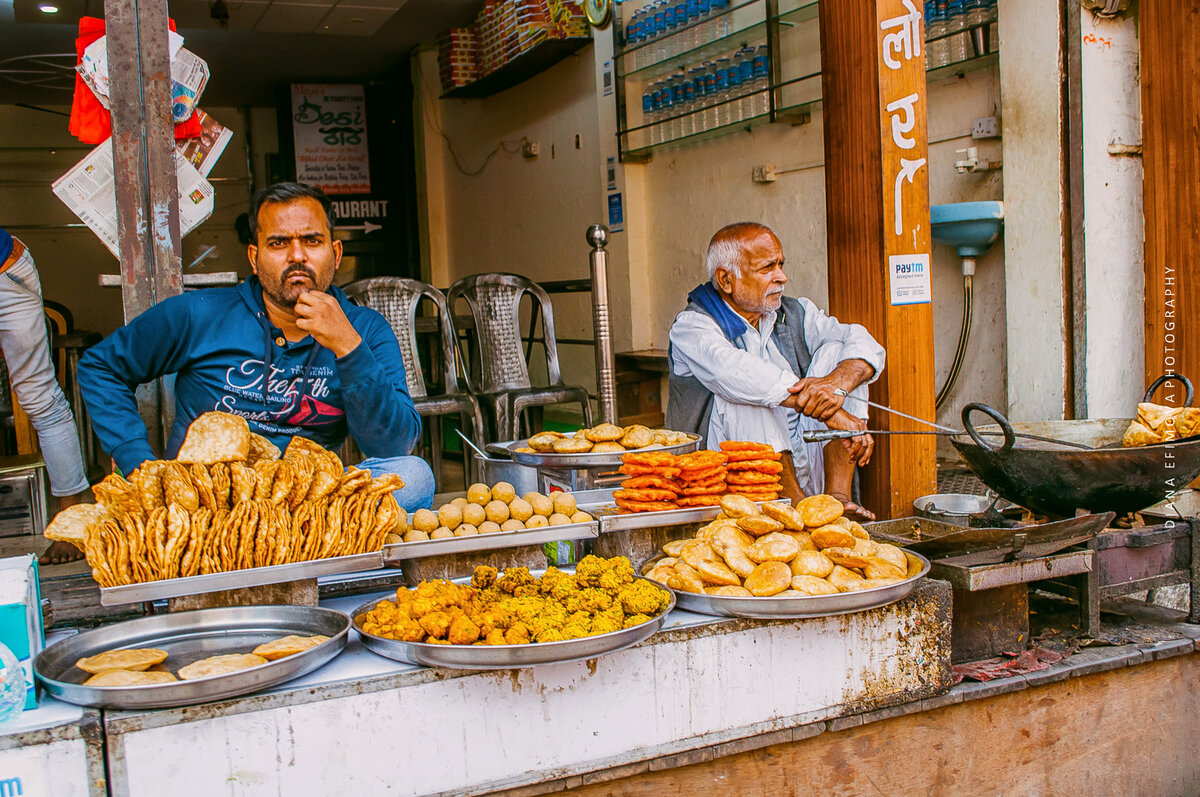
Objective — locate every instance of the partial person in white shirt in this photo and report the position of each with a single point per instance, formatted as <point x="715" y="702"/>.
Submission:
<point x="748" y="363"/>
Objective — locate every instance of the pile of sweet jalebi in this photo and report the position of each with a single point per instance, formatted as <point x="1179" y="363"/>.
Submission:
<point x="660" y="481"/>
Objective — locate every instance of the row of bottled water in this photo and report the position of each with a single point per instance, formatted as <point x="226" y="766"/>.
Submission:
<point x="656" y="24"/>
<point x="727" y="89"/>
<point x="948" y="16"/>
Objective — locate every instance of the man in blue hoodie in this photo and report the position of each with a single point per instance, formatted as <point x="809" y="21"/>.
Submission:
<point x="285" y="349"/>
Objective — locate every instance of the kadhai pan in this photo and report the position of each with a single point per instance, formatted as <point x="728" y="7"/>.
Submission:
<point x="1055" y="479"/>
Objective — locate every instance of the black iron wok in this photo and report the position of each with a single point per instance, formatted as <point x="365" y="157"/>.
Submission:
<point x="1056" y="480"/>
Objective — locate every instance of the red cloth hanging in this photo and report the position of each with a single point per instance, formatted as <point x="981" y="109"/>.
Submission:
<point x="90" y="121"/>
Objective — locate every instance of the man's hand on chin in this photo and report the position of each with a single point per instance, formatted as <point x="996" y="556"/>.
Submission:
<point x="320" y="315"/>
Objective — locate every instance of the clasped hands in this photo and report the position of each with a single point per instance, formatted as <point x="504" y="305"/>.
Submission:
<point x="815" y="397"/>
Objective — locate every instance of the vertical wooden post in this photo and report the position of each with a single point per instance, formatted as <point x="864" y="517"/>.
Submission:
<point x="1171" y="190"/>
<point x="877" y="217"/>
<point x="144" y="168"/>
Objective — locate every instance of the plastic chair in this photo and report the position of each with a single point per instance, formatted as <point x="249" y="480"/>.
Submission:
<point x="396" y="299"/>
<point x="495" y="302"/>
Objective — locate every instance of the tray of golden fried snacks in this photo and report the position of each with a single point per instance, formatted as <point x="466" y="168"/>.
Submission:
<point x="231" y="511"/>
<point x="185" y="658"/>
<point x="599" y="446"/>
<point x="486" y="518"/>
<point x="778" y="561"/>
<point x="515" y="618"/>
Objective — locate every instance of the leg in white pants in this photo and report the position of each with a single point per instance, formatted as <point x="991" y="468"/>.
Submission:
<point x="27" y="354"/>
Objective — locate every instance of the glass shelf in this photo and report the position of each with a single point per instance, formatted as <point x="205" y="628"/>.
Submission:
<point x="643" y="152"/>
<point x="750" y="33"/>
<point x="960" y="68"/>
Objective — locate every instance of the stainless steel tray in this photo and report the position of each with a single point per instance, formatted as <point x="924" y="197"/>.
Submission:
<point x="808" y="605"/>
<point x="188" y="637"/>
<point x="499" y="657"/>
<point x="400" y="551"/>
<point x="569" y="461"/>
<point x="239" y="579"/>
<point x="599" y="504"/>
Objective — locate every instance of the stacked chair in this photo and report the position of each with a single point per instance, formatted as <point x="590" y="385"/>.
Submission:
<point x="503" y="371"/>
<point x="396" y="299"/>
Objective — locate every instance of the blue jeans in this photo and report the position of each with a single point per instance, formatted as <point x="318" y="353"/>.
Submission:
<point x="27" y="354"/>
<point x="417" y="492"/>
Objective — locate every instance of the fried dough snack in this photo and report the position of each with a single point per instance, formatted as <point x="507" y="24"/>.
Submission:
<point x="514" y="608"/>
<point x="172" y="520"/>
<point x="748" y="553"/>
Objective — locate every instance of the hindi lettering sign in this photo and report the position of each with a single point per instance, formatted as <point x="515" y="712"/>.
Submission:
<point x="329" y="125"/>
<point x="905" y="150"/>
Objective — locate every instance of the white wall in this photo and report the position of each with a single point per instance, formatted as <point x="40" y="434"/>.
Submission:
<point x="1113" y="235"/>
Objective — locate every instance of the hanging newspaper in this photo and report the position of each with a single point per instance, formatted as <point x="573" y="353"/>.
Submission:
<point x="189" y="75"/>
<point x="90" y="191"/>
<point x="204" y="150"/>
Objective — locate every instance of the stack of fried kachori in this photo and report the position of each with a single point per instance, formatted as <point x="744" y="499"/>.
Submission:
<point x="604" y="438"/>
<point x="753" y="470"/>
<point x="210" y="512"/>
<point x="780" y="551"/>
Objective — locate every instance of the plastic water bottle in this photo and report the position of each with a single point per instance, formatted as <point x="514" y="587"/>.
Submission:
<point x="956" y="20"/>
<point x="720" y="23"/>
<point x="710" y="94"/>
<point x="668" y="34"/>
<point x="977" y="19"/>
<point x="761" y="85"/>
<point x="659" y="15"/>
<point x="687" y="124"/>
<point x="678" y="93"/>
<point x="648" y="117"/>
<point x="993" y="10"/>
<point x="664" y="111"/>
<point x="12" y="686"/>
<point x="734" y="106"/>
<point x="682" y="19"/>
<point x="723" y="116"/>
<point x="745" y="62"/>
<point x="704" y="29"/>
<point x="691" y="37"/>
<point x="936" y="52"/>
<point x="700" y="93"/>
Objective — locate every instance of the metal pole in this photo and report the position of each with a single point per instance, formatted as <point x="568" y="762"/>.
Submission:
<point x="597" y="238"/>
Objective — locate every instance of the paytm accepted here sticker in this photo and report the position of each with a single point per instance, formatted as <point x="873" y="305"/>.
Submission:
<point x="908" y="276"/>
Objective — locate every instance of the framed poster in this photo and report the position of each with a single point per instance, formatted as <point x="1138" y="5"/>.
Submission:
<point x="329" y="127"/>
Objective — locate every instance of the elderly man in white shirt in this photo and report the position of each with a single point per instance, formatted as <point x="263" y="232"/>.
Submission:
<point x="748" y="363"/>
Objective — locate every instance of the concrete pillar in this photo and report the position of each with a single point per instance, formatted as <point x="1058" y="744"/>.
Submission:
<point x="1112" y="217"/>
<point x="1035" y="224"/>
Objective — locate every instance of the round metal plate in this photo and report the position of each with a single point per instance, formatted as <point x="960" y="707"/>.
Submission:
<point x="188" y="637"/>
<point x="598" y="12"/>
<point x="499" y="657"/>
<point x="808" y="605"/>
<point x="574" y="461"/>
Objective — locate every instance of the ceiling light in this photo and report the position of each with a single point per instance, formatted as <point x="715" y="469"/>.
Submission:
<point x="46" y="8"/>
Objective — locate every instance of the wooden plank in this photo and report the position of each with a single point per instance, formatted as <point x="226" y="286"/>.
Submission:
<point x="148" y="229"/>
<point x="876" y="148"/>
<point x="1069" y="737"/>
<point x="1170" y="73"/>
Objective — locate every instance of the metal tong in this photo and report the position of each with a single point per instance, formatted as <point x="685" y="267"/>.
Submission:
<point x="822" y="436"/>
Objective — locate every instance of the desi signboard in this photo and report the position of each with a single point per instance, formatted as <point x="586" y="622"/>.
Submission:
<point x="329" y="126"/>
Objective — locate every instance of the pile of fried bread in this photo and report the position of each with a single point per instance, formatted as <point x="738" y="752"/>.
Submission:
<point x="229" y="501"/>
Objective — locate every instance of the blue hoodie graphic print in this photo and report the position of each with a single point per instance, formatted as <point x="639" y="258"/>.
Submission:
<point x="227" y="356"/>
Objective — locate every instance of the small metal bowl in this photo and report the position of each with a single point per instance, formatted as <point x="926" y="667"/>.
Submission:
<point x="953" y="508"/>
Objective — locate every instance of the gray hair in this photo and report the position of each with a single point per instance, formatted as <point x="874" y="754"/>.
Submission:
<point x="725" y="249"/>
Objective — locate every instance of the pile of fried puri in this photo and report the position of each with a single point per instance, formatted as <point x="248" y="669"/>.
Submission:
<point x="230" y="501"/>
<point x="487" y="510"/>
<point x="605" y="438"/>
<point x="779" y="552"/>
<point x="144" y="666"/>
<point x="515" y="608"/>
<point x="1157" y="424"/>
<point x="659" y="480"/>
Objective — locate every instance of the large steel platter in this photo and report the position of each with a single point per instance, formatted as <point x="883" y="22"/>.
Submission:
<point x="500" y="657"/>
<point x="599" y="504"/>
<point x="569" y="461"/>
<point x="189" y="637"/>
<point x="807" y="605"/>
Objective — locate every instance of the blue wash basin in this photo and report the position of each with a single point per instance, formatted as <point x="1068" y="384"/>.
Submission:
<point x="971" y="227"/>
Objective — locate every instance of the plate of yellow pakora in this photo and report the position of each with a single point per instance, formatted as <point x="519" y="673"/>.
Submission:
<point x="516" y="618"/>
